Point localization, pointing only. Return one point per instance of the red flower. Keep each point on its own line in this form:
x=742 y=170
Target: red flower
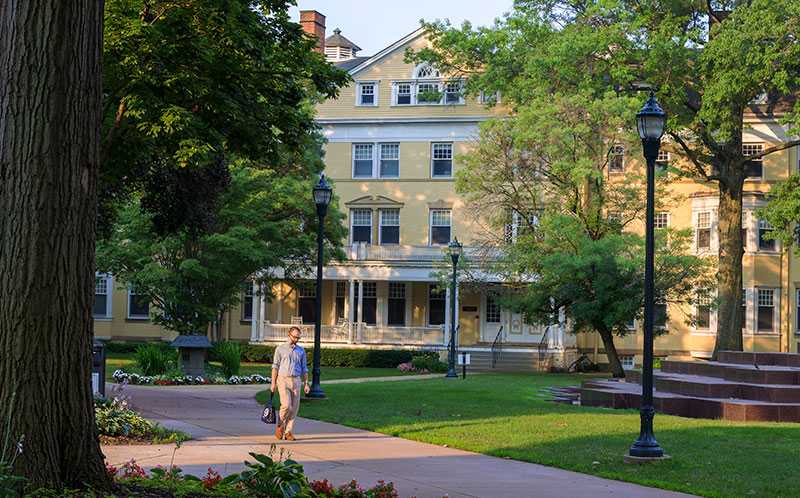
x=211 y=479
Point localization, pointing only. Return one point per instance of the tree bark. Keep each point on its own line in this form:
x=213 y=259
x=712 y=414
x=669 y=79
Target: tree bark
x=614 y=364
x=729 y=274
x=50 y=101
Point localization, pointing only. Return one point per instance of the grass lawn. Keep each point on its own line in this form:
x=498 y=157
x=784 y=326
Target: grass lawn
x=503 y=415
x=125 y=361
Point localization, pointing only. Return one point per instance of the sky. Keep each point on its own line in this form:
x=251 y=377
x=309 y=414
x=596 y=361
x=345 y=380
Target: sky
x=375 y=24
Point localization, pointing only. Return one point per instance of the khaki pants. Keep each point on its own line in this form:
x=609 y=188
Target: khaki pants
x=289 y=390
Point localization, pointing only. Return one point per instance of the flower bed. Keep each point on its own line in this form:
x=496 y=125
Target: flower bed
x=122 y=376
x=117 y=423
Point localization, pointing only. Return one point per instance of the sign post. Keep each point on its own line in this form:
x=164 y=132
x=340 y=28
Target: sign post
x=464 y=360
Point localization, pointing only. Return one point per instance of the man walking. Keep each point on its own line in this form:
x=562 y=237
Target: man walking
x=289 y=369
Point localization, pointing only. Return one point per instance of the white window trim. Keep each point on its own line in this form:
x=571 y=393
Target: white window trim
x=634 y=327
x=713 y=227
x=109 y=297
x=428 y=308
x=452 y=160
x=376 y=160
x=669 y=218
x=627 y=361
x=483 y=98
x=797 y=310
x=252 y=305
x=441 y=85
x=376 y=87
x=776 y=312
x=777 y=243
x=712 y=320
x=128 y=310
x=371 y=225
x=353 y=161
x=430 y=227
x=761 y=159
x=381 y=225
x=378 y=152
x=612 y=154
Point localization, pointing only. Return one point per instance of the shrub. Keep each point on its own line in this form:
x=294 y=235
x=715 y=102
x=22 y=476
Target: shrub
x=274 y=477
x=336 y=357
x=155 y=359
x=10 y=448
x=114 y=418
x=230 y=355
x=428 y=363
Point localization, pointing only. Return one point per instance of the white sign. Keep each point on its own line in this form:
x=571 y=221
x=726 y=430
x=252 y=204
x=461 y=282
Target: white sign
x=95 y=383
x=463 y=359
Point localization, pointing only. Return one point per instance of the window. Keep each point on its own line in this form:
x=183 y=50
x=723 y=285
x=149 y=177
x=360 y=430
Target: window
x=102 y=296
x=753 y=168
x=440 y=226
x=369 y=300
x=492 y=309
x=390 y=160
x=138 y=305
x=661 y=220
x=631 y=325
x=307 y=301
x=452 y=92
x=361 y=225
x=797 y=295
x=397 y=304
x=744 y=309
x=247 y=301
x=367 y=94
x=341 y=291
x=403 y=94
x=362 y=160
x=442 y=160
x=627 y=362
x=428 y=93
x=764 y=243
x=703 y=231
x=660 y=315
x=745 y=222
x=488 y=98
x=616 y=163
x=390 y=226
x=662 y=161
x=703 y=312
x=766 y=310
x=436 y=298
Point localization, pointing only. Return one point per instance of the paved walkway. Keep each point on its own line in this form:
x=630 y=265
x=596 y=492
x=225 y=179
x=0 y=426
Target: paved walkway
x=224 y=420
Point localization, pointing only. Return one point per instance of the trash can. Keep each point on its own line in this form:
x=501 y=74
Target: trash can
x=99 y=368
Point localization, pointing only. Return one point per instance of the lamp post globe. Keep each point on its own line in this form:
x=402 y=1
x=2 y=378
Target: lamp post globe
x=322 y=194
x=455 y=248
x=650 y=122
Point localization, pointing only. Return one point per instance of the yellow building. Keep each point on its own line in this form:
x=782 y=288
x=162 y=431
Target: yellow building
x=393 y=140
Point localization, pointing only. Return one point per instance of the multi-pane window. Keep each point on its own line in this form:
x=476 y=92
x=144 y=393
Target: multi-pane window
x=703 y=312
x=764 y=243
x=492 y=309
x=390 y=226
x=369 y=300
x=390 y=160
x=362 y=160
x=397 y=304
x=703 y=230
x=436 y=305
x=138 y=305
x=745 y=222
x=102 y=296
x=660 y=315
x=361 y=225
x=662 y=161
x=440 y=226
x=753 y=168
x=627 y=362
x=307 y=301
x=616 y=162
x=744 y=309
x=403 y=94
x=766 y=310
x=442 y=154
x=452 y=92
x=489 y=98
x=661 y=220
x=428 y=93
x=341 y=292
x=366 y=94
x=797 y=295
x=247 y=301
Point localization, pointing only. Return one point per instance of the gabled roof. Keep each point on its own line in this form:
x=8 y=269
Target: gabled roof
x=388 y=50
x=337 y=40
x=349 y=64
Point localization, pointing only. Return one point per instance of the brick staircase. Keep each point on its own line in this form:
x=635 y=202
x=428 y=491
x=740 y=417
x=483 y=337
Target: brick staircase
x=739 y=386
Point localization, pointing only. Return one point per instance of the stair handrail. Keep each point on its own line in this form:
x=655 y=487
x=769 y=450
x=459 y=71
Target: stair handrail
x=497 y=347
x=543 y=343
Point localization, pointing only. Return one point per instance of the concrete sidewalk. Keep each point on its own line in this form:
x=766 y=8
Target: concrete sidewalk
x=224 y=420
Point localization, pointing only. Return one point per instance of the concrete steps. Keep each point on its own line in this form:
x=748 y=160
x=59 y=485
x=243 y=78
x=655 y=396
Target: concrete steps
x=509 y=361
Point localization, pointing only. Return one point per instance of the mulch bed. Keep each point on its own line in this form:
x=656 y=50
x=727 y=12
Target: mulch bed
x=125 y=440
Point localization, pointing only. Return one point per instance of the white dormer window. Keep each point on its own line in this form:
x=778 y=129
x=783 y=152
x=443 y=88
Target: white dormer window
x=427 y=87
x=367 y=93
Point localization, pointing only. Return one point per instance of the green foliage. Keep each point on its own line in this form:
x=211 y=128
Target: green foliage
x=263 y=220
x=429 y=363
x=155 y=358
x=351 y=358
x=274 y=477
x=11 y=448
x=783 y=211
x=230 y=355
x=114 y=418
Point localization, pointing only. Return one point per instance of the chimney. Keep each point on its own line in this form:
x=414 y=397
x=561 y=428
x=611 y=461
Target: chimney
x=313 y=23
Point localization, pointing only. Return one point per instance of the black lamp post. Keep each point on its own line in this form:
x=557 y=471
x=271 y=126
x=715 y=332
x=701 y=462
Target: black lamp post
x=322 y=198
x=455 y=248
x=650 y=123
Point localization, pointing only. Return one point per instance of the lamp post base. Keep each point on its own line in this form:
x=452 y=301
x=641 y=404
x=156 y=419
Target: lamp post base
x=316 y=393
x=451 y=374
x=641 y=460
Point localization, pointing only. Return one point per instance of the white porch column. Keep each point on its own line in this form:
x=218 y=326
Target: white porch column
x=279 y=302
x=255 y=316
x=262 y=312
x=409 y=304
x=447 y=316
x=351 y=292
x=458 y=312
x=360 y=309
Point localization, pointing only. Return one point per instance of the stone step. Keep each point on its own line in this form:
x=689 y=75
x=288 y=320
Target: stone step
x=759 y=358
x=750 y=374
x=714 y=387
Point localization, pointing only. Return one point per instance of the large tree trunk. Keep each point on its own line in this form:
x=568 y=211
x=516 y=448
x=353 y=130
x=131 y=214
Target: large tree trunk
x=729 y=274
x=50 y=99
x=614 y=364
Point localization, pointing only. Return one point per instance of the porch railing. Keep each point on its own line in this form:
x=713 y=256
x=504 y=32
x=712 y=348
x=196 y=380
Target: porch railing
x=357 y=333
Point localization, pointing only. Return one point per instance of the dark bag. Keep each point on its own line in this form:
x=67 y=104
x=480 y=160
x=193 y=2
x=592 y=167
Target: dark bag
x=269 y=415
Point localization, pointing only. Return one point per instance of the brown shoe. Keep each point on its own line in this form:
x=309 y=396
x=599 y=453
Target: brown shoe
x=279 y=432
x=289 y=436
